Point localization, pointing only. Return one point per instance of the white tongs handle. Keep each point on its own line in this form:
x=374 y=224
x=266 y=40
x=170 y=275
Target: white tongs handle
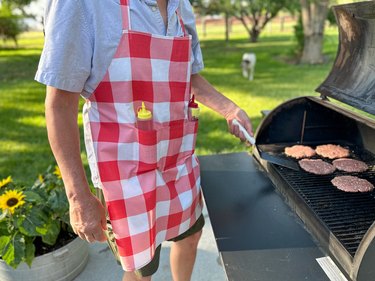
x=249 y=138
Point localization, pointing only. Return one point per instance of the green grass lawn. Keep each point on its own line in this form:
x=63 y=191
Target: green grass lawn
x=276 y=79
x=24 y=149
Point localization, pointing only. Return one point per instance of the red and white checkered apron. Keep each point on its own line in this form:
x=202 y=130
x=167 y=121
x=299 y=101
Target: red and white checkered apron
x=150 y=179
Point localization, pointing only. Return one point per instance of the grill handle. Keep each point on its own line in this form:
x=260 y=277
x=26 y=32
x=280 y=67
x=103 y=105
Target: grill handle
x=249 y=138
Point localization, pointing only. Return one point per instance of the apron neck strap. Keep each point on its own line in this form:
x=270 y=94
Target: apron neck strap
x=181 y=22
x=125 y=14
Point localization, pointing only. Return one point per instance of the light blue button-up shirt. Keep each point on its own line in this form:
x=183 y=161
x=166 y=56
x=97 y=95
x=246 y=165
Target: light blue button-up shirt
x=81 y=37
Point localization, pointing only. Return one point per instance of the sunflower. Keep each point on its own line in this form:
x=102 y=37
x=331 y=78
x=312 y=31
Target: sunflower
x=11 y=199
x=4 y=182
x=40 y=178
x=57 y=172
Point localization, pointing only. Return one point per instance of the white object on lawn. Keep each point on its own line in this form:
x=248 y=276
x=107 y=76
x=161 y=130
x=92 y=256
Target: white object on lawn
x=248 y=65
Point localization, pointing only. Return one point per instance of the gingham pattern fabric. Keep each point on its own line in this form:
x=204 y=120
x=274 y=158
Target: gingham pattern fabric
x=150 y=179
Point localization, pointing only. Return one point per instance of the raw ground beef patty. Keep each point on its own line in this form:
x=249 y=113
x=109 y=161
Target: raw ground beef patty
x=352 y=184
x=350 y=165
x=299 y=151
x=332 y=151
x=316 y=166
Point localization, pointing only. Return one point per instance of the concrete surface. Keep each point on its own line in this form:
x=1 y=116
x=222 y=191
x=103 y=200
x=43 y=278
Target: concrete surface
x=102 y=266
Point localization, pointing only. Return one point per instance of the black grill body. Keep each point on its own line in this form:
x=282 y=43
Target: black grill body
x=342 y=223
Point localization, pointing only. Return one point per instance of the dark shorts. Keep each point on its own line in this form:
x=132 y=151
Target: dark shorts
x=153 y=265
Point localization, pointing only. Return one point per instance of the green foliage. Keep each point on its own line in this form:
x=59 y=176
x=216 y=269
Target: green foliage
x=10 y=25
x=256 y=14
x=12 y=247
x=299 y=36
x=212 y=7
x=41 y=211
x=331 y=17
x=18 y=3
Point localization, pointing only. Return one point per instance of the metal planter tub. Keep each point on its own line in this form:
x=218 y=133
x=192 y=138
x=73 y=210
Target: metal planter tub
x=63 y=264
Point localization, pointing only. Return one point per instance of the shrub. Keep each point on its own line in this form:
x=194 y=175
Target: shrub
x=299 y=36
x=10 y=25
x=32 y=215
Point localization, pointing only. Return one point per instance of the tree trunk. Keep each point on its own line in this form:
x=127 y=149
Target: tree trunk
x=282 y=23
x=312 y=51
x=204 y=30
x=227 y=27
x=254 y=35
x=314 y=14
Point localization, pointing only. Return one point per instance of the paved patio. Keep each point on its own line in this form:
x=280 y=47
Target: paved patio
x=102 y=266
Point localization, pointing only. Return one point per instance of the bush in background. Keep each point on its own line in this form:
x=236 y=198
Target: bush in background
x=33 y=219
x=10 y=25
x=299 y=36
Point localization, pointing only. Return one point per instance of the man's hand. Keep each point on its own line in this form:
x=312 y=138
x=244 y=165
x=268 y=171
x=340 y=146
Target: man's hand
x=87 y=214
x=88 y=219
x=205 y=93
x=243 y=119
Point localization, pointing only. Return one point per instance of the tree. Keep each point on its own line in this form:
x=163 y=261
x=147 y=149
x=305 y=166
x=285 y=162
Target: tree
x=255 y=14
x=314 y=14
x=10 y=25
x=214 y=7
x=16 y=4
x=11 y=14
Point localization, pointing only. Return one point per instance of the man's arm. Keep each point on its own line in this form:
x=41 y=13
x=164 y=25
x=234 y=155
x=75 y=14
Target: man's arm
x=87 y=214
x=206 y=94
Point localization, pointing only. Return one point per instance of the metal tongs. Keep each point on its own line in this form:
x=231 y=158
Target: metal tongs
x=275 y=159
x=249 y=138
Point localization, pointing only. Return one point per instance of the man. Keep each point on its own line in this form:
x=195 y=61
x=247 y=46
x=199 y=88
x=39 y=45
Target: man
x=119 y=55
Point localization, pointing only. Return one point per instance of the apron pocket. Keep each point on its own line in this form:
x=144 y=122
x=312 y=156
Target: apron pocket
x=147 y=153
x=136 y=151
x=175 y=144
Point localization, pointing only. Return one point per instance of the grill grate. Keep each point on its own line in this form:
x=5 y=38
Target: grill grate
x=347 y=215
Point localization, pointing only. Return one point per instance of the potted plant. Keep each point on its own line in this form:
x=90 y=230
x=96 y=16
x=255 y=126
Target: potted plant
x=34 y=224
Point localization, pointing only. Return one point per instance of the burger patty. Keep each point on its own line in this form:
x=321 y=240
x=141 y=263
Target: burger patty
x=352 y=184
x=316 y=166
x=350 y=165
x=332 y=151
x=299 y=151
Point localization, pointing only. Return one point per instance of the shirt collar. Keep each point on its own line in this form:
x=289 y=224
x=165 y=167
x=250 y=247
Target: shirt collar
x=171 y=8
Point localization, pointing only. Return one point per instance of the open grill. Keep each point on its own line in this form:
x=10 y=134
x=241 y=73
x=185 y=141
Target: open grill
x=347 y=215
x=343 y=223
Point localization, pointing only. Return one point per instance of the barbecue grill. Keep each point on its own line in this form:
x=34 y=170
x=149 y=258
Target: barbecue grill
x=342 y=223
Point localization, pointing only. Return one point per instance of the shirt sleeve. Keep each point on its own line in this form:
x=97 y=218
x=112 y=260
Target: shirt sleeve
x=65 y=62
x=188 y=18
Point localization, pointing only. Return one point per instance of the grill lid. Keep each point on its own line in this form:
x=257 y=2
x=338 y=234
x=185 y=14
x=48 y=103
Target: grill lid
x=351 y=79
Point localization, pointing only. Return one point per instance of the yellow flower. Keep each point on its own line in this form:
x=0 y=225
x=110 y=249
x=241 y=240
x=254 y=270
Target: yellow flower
x=11 y=199
x=40 y=178
x=4 y=182
x=57 y=172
